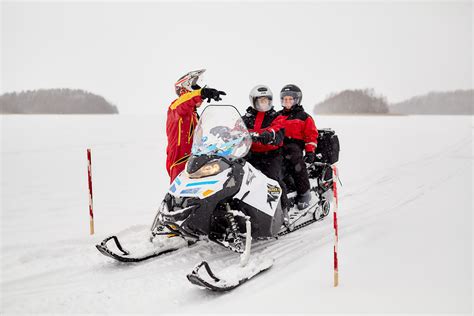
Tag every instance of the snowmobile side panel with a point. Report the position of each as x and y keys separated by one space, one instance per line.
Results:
x=184 y=186
x=251 y=190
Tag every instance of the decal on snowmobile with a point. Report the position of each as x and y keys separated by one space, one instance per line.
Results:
x=273 y=193
x=250 y=177
x=193 y=184
x=252 y=193
x=186 y=187
x=190 y=191
x=173 y=188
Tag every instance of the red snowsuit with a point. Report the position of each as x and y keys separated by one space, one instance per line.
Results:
x=299 y=128
x=180 y=125
x=300 y=134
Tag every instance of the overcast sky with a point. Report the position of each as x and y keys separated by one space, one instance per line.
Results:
x=132 y=53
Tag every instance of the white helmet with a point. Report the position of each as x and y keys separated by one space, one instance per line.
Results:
x=261 y=91
x=189 y=82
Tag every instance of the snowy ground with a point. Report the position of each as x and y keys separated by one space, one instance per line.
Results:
x=405 y=222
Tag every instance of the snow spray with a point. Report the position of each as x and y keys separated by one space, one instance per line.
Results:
x=336 y=236
x=89 y=174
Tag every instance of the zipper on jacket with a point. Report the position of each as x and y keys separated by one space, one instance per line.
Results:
x=191 y=130
x=180 y=121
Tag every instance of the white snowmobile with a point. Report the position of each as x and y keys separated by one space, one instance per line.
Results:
x=222 y=198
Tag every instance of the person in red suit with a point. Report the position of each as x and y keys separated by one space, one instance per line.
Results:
x=263 y=122
x=182 y=119
x=301 y=135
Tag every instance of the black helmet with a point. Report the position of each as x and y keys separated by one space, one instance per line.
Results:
x=293 y=91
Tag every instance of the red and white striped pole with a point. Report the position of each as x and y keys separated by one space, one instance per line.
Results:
x=89 y=172
x=336 y=235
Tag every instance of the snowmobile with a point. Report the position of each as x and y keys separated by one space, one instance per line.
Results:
x=222 y=198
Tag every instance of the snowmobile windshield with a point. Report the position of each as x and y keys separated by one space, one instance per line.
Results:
x=221 y=132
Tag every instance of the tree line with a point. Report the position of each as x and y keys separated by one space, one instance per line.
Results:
x=55 y=101
x=366 y=101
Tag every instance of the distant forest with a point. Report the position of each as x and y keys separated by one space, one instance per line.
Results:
x=453 y=102
x=459 y=102
x=55 y=101
x=353 y=101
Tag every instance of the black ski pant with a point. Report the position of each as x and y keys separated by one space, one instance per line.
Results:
x=271 y=164
x=296 y=167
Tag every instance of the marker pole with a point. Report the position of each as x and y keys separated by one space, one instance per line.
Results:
x=89 y=173
x=336 y=235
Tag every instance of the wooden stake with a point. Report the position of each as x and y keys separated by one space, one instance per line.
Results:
x=92 y=226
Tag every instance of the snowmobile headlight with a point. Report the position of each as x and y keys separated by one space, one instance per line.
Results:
x=208 y=169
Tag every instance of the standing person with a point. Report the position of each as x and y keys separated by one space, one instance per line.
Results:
x=182 y=119
x=301 y=135
x=265 y=153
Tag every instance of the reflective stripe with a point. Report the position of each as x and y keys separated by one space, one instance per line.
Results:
x=179 y=161
x=185 y=97
x=191 y=129
x=180 y=121
x=182 y=80
x=201 y=183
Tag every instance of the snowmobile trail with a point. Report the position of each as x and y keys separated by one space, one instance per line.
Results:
x=404 y=228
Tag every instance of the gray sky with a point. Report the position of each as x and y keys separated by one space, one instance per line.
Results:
x=132 y=53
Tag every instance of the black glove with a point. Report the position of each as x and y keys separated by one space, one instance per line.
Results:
x=209 y=93
x=309 y=157
x=265 y=138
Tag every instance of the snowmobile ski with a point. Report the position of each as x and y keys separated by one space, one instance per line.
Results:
x=123 y=255
x=126 y=256
x=212 y=282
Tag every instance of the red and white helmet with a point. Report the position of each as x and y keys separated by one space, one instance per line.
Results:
x=189 y=82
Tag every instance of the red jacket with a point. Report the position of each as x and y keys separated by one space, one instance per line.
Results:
x=264 y=121
x=180 y=125
x=300 y=128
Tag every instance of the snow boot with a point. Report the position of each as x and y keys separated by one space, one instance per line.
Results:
x=303 y=200
x=286 y=217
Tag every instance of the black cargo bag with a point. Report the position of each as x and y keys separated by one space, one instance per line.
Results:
x=327 y=150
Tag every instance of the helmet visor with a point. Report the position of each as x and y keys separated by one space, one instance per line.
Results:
x=293 y=94
x=263 y=103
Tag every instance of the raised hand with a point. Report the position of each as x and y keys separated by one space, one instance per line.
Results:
x=209 y=93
